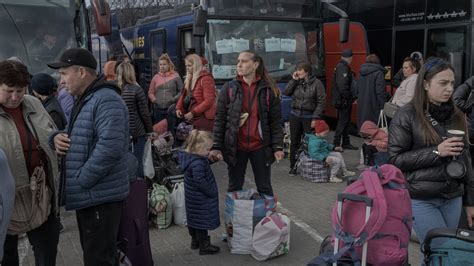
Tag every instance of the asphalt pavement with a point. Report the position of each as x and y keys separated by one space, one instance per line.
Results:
x=308 y=205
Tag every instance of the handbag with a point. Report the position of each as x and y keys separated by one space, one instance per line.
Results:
x=32 y=204
x=390 y=109
x=32 y=201
x=382 y=122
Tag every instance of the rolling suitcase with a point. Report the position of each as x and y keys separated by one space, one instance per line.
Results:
x=133 y=231
x=455 y=248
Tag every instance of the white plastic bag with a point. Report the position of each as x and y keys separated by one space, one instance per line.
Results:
x=148 y=168
x=177 y=201
x=271 y=237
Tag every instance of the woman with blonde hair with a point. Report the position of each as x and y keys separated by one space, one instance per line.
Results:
x=139 y=116
x=165 y=89
x=197 y=103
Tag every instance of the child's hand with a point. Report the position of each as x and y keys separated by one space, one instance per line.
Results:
x=339 y=149
x=328 y=160
x=215 y=155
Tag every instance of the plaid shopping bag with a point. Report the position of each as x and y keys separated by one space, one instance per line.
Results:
x=312 y=170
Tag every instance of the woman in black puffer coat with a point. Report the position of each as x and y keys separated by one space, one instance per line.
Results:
x=308 y=98
x=420 y=146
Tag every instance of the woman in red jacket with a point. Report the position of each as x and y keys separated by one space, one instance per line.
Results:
x=197 y=103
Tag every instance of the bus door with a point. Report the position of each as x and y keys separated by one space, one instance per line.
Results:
x=333 y=48
x=157 y=48
x=187 y=44
x=405 y=43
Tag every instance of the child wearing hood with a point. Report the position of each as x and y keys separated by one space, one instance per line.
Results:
x=377 y=140
x=320 y=149
x=200 y=190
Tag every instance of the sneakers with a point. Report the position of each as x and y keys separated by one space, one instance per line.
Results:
x=334 y=179
x=292 y=172
x=348 y=173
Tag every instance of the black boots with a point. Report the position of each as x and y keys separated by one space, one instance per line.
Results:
x=206 y=248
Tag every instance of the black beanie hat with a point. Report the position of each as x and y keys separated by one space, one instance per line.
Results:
x=43 y=84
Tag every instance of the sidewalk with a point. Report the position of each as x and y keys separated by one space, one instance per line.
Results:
x=308 y=205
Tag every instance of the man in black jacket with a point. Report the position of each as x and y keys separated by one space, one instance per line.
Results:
x=43 y=86
x=342 y=99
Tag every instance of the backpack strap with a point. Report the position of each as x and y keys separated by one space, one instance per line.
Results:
x=374 y=189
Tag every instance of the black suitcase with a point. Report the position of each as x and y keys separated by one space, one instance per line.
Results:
x=133 y=231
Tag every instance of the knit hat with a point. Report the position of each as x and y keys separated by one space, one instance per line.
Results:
x=346 y=52
x=43 y=84
x=320 y=126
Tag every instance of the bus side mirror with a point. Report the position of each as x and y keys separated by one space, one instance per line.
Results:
x=199 y=22
x=102 y=16
x=343 y=30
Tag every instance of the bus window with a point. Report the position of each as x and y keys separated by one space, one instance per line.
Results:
x=281 y=45
x=449 y=43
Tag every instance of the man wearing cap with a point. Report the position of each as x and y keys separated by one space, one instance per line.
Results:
x=342 y=99
x=94 y=147
x=43 y=86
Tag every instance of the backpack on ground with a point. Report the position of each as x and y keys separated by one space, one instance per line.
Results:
x=160 y=206
x=383 y=222
x=388 y=227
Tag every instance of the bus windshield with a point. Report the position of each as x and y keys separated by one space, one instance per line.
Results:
x=37 y=32
x=281 y=44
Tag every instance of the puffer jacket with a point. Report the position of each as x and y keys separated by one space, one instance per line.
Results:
x=318 y=147
x=165 y=89
x=96 y=163
x=200 y=192
x=203 y=99
x=378 y=137
x=306 y=96
x=41 y=124
x=139 y=115
x=229 y=109
x=464 y=99
x=423 y=169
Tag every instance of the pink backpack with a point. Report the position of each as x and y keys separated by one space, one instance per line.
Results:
x=388 y=228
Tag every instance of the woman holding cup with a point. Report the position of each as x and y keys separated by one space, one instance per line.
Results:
x=424 y=135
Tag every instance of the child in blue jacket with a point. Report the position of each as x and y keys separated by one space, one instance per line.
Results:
x=200 y=191
x=319 y=149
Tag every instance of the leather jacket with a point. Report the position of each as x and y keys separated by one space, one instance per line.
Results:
x=307 y=96
x=424 y=170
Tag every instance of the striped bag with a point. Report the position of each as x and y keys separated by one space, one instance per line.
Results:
x=312 y=170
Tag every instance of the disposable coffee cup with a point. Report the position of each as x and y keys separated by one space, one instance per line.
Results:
x=456 y=133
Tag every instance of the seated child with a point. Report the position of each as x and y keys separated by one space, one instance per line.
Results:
x=377 y=141
x=200 y=190
x=319 y=149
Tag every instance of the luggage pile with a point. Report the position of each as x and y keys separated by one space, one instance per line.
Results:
x=254 y=226
x=165 y=182
x=310 y=169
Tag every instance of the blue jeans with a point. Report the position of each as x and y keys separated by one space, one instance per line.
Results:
x=434 y=213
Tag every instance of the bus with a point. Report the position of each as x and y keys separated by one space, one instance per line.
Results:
x=396 y=28
x=38 y=32
x=282 y=32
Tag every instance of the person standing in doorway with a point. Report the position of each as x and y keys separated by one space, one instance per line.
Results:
x=342 y=99
x=95 y=154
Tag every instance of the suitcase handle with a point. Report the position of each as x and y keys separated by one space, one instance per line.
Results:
x=353 y=197
x=461 y=234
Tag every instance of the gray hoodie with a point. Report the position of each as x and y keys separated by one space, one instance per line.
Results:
x=7 y=198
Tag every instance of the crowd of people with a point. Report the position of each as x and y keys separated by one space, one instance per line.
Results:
x=74 y=140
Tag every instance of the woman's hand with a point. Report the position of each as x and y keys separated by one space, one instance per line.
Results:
x=179 y=114
x=295 y=76
x=451 y=147
x=215 y=155
x=188 y=116
x=469 y=215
